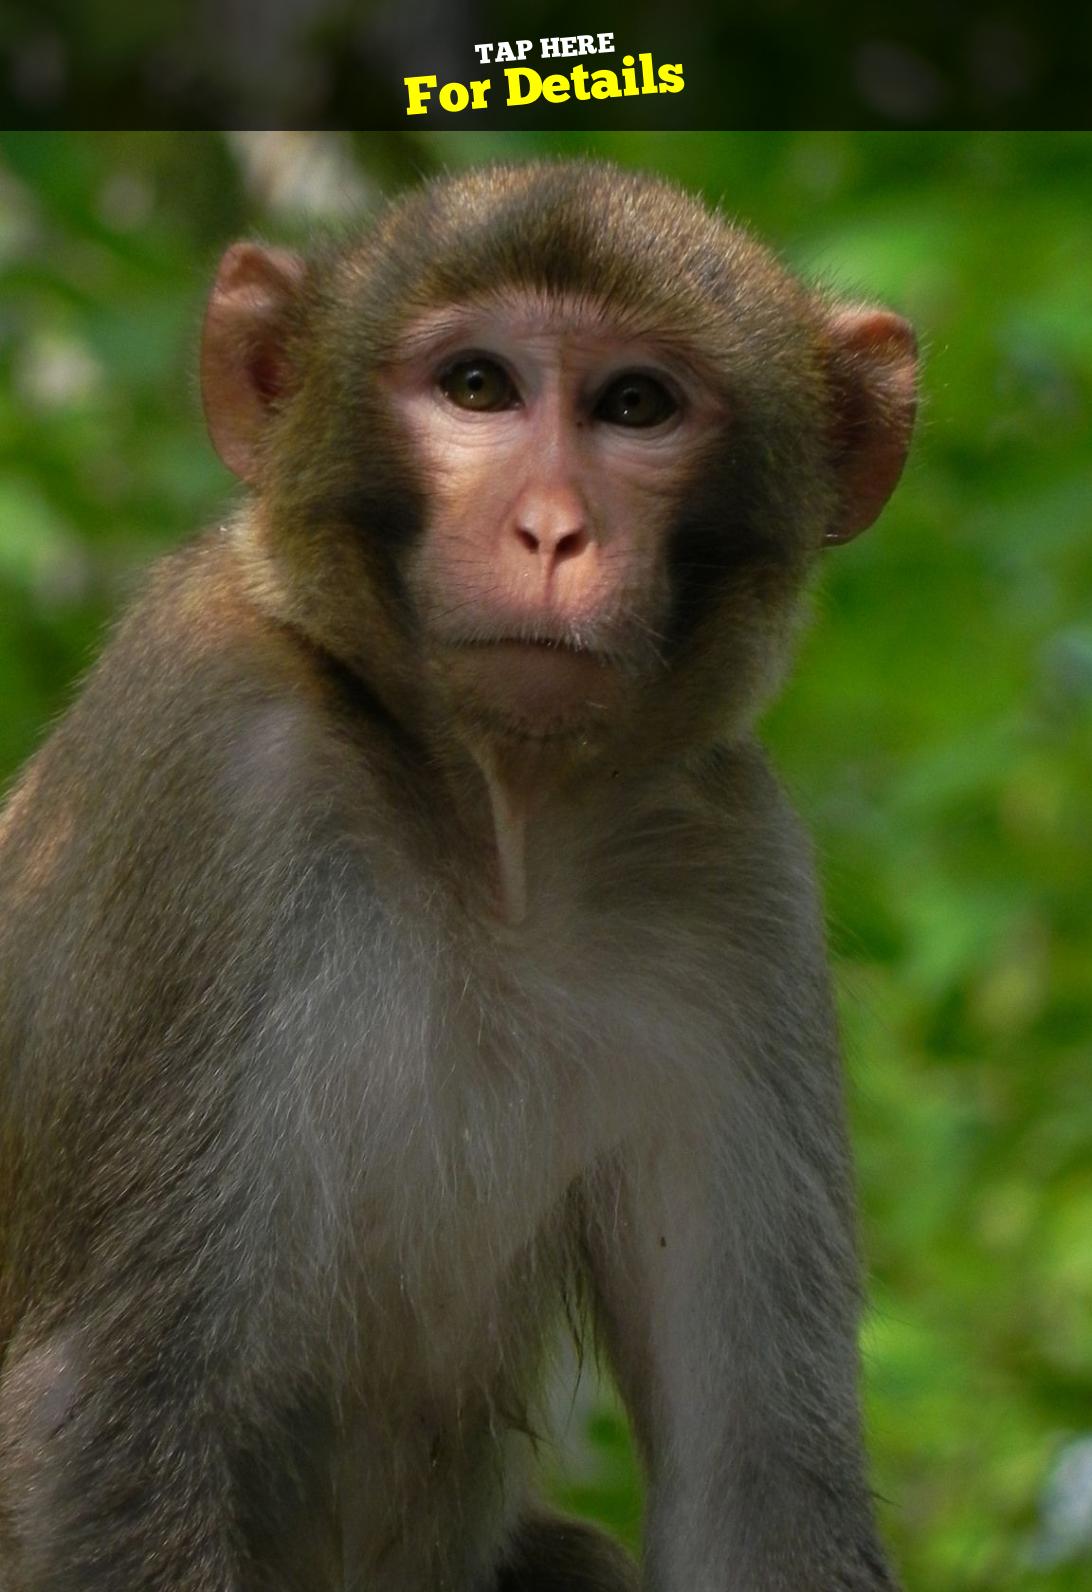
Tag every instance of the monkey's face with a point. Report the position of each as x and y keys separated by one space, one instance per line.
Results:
x=552 y=449
x=553 y=446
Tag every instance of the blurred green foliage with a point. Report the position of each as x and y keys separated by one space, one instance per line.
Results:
x=937 y=734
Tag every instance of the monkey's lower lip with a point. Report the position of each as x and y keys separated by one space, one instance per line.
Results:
x=535 y=686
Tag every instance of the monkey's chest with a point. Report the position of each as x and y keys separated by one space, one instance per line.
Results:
x=487 y=1099
x=469 y=1086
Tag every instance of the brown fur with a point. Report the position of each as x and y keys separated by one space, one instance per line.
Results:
x=301 y=1144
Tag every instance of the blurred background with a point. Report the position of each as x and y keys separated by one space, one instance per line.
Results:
x=937 y=734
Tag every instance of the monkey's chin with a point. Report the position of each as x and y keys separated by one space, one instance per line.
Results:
x=531 y=691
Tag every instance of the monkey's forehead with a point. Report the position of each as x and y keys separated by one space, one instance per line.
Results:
x=573 y=229
x=526 y=315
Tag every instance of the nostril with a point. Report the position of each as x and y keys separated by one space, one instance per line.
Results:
x=528 y=538
x=571 y=543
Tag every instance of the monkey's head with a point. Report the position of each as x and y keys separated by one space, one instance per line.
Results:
x=551 y=450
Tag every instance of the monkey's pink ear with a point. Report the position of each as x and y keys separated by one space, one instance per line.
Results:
x=873 y=360
x=245 y=370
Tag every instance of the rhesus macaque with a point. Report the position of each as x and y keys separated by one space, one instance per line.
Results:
x=405 y=943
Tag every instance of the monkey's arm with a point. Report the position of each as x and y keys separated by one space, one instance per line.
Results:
x=153 y=863
x=725 y=1271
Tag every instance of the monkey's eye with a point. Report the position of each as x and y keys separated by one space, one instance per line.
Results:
x=479 y=384
x=635 y=400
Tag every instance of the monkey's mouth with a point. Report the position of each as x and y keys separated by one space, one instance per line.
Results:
x=531 y=687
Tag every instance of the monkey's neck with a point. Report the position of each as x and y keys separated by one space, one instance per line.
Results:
x=532 y=789
x=509 y=803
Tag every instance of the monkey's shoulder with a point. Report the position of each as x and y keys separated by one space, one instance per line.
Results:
x=183 y=788
x=724 y=812
x=193 y=672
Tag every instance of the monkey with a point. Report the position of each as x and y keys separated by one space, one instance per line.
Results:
x=406 y=944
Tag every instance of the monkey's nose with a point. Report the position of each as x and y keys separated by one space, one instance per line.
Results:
x=551 y=523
